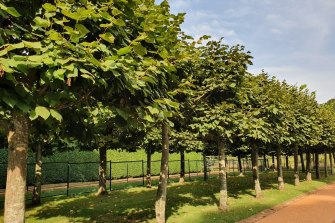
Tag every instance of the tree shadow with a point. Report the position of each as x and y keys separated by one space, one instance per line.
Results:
x=137 y=204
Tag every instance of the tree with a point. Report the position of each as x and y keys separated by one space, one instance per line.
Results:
x=67 y=53
x=218 y=75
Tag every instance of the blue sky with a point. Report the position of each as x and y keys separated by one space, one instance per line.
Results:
x=290 y=39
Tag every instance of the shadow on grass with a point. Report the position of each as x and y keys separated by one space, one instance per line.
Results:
x=137 y=204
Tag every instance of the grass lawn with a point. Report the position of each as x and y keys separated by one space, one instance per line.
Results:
x=193 y=202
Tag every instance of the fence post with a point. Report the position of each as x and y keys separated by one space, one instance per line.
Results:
x=110 y=175
x=143 y=172
x=234 y=167
x=189 y=170
x=68 y=179
x=127 y=171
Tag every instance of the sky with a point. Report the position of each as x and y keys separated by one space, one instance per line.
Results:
x=293 y=40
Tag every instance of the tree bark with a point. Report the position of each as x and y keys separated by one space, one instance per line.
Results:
x=149 y=183
x=223 y=177
x=331 y=163
x=280 y=169
x=317 y=165
x=325 y=164
x=18 y=137
x=287 y=164
x=102 y=172
x=308 y=166
x=255 y=172
x=160 y=204
x=296 y=166
x=38 y=176
x=182 y=167
x=240 y=168
x=302 y=162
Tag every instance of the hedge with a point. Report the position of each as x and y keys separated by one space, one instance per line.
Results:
x=54 y=172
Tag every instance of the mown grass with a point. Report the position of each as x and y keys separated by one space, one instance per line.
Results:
x=192 y=202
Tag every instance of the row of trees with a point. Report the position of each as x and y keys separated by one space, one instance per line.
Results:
x=105 y=74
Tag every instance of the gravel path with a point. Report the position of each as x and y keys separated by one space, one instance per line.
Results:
x=316 y=207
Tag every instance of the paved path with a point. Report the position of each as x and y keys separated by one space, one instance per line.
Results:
x=317 y=207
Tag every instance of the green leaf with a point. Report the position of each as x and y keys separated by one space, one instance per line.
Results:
x=33 y=115
x=232 y=85
x=49 y=7
x=42 y=22
x=42 y=112
x=124 y=50
x=59 y=74
x=141 y=37
x=163 y=53
x=153 y=110
x=23 y=107
x=56 y=115
x=172 y=103
x=119 y=22
x=11 y=101
x=34 y=45
x=149 y=118
x=116 y=12
x=107 y=37
x=140 y=50
x=10 y=10
x=82 y=29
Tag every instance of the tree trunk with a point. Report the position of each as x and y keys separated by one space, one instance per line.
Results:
x=287 y=164
x=149 y=184
x=308 y=166
x=18 y=137
x=160 y=204
x=182 y=166
x=325 y=164
x=280 y=169
x=38 y=176
x=302 y=162
x=223 y=178
x=205 y=167
x=317 y=165
x=331 y=163
x=296 y=167
x=102 y=172
x=264 y=162
x=255 y=172
x=240 y=168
